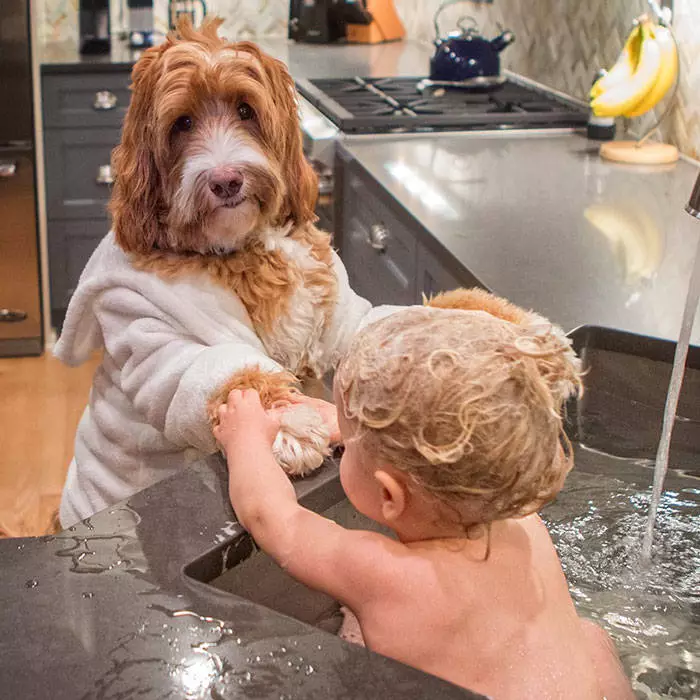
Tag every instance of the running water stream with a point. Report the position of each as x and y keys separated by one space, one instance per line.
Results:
x=674 y=391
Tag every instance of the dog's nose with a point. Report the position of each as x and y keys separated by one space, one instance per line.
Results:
x=225 y=182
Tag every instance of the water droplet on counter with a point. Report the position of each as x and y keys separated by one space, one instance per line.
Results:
x=258 y=659
x=319 y=647
x=239 y=641
x=31 y=583
x=88 y=524
x=247 y=675
x=308 y=670
x=20 y=546
x=88 y=595
x=72 y=528
x=283 y=650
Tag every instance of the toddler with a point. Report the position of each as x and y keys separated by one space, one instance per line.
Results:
x=453 y=436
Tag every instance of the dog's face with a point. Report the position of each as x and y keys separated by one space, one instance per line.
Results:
x=211 y=149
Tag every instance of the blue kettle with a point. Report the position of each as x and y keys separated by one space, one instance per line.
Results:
x=465 y=55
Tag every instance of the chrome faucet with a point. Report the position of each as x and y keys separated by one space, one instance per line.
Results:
x=693 y=206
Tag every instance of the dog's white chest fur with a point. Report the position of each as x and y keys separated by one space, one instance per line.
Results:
x=295 y=339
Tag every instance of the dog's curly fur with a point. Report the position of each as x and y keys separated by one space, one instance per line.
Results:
x=204 y=109
x=202 y=76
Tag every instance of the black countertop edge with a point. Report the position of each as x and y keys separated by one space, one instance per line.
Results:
x=87 y=66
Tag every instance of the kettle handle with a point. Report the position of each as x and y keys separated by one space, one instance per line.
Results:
x=447 y=4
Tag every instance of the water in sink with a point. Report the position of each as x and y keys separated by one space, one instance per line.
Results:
x=651 y=609
x=597 y=525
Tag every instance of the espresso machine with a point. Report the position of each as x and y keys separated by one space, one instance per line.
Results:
x=355 y=21
x=94 y=24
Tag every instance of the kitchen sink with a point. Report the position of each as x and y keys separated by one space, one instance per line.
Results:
x=596 y=523
x=258 y=578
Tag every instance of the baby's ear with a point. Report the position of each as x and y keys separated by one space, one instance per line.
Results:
x=476 y=299
x=393 y=495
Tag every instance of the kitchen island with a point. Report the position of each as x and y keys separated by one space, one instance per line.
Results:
x=536 y=217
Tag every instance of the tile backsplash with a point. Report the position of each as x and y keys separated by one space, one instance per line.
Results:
x=245 y=19
x=560 y=43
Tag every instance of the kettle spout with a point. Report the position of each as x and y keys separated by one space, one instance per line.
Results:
x=502 y=40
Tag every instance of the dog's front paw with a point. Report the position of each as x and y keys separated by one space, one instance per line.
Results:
x=302 y=442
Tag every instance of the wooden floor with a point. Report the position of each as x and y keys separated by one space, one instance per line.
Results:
x=41 y=401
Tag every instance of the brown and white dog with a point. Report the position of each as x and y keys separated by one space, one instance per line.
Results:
x=214 y=276
x=210 y=173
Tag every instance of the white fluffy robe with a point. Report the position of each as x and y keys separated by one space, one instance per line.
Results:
x=167 y=346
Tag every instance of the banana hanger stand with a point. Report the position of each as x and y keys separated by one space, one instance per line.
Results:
x=643 y=151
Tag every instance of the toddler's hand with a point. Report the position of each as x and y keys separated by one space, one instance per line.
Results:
x=243 y=418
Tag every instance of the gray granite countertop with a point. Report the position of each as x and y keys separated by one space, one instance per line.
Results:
x=303 y=60
x=512 y=211
x=115 y=608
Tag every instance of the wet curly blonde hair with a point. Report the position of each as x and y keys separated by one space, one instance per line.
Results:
x=468 y=404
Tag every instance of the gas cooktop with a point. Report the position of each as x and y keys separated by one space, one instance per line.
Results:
x=380 y=105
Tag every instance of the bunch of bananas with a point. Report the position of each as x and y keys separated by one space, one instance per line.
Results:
x=644 y=72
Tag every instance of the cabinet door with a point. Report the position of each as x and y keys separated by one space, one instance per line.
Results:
x=71 y=243
x=78 y=174
x=434 y=278
x=379 y=253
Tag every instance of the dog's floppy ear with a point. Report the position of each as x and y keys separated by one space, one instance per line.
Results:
x=300 y=178
x=136 y=203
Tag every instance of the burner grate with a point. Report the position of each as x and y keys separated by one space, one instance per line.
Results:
x=367 y=105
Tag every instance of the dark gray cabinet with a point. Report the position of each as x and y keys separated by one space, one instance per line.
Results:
x=432 y=277
x=78 y=173
x=379 y=253
x=386 y=260
x=85 y=100
x=82 y=117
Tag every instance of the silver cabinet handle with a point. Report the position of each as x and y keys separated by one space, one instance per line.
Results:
x=104 y=101
x=104 y=175
x=12 y=315
x=378 y=237
x=8 y=168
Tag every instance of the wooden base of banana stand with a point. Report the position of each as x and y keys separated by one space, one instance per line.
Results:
x=639 y=153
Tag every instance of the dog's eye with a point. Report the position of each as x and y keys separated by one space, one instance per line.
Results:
x=183 y=123
x=245 y=111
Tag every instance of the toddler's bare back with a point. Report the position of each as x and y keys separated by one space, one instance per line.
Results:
x=504 y=626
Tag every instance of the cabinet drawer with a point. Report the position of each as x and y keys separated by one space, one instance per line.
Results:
x=77 y=172
x=379 y=253
x=85 y=100
x=71 y=243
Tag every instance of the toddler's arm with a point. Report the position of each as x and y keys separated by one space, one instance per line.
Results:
x=350 y=565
